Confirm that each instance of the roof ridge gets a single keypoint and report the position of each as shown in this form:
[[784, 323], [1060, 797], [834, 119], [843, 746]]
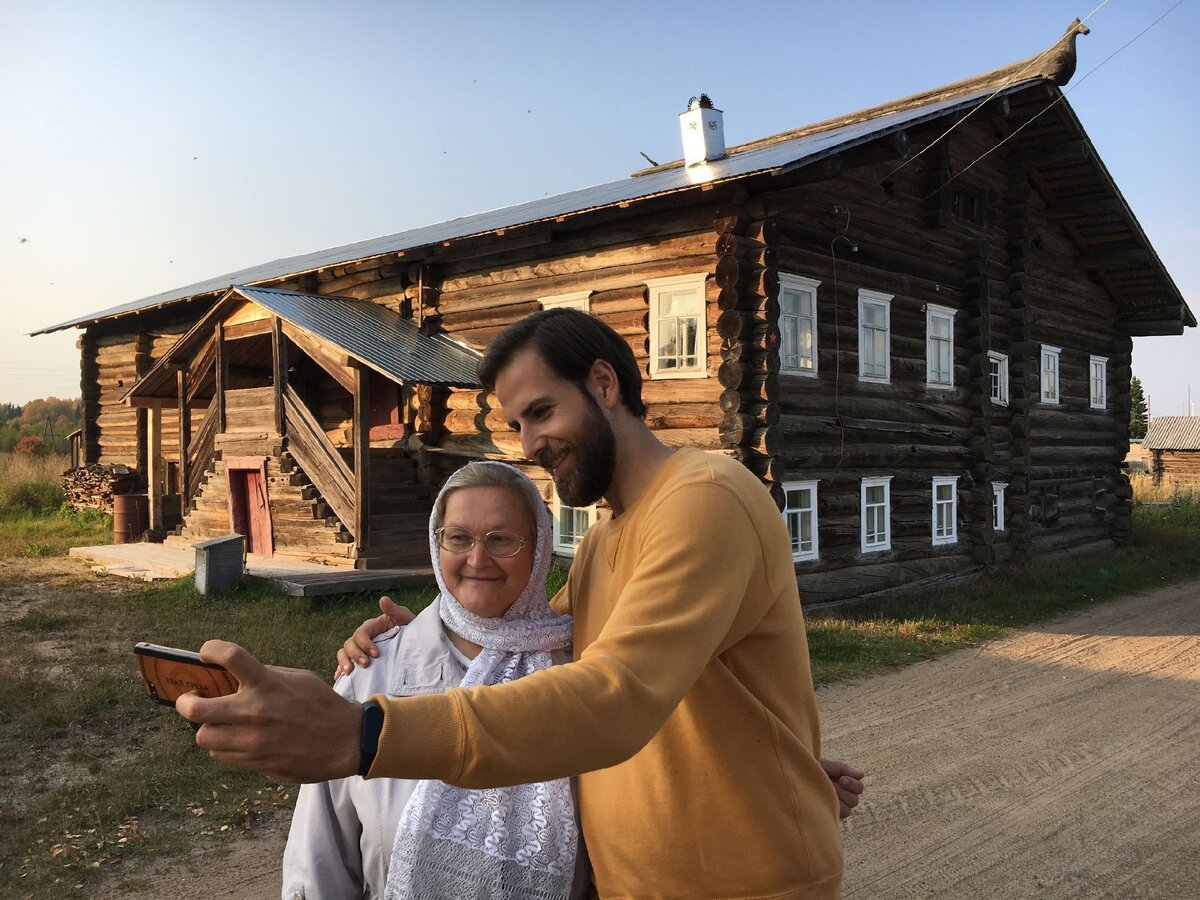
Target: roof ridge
[[1055, 64]]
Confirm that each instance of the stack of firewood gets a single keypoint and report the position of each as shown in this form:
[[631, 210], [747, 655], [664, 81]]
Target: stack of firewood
[[92, 487]]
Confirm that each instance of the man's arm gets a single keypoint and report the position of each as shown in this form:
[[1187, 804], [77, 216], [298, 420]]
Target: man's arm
[[572, 718], [360, 647]]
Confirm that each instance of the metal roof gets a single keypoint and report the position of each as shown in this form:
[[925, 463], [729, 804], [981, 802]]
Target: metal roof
[[373, 334], [758, 158], [1173, 433]]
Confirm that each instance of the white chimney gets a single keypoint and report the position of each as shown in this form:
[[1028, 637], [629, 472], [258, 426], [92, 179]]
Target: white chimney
[[703, 130]]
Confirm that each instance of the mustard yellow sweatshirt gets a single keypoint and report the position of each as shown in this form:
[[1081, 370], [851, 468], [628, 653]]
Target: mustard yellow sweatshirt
[[689, 707]]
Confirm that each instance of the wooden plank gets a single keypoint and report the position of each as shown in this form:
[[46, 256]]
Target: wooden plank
[[221, 375], [336, 365], [279, 361], [362, 457], [319, 458]]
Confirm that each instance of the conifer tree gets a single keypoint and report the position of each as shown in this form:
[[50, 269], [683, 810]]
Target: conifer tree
[[1138, 412]]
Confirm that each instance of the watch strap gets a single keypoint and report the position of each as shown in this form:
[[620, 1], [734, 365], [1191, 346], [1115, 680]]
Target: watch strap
[[372, 727]]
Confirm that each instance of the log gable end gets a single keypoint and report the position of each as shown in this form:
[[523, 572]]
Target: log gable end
[[959, 256]]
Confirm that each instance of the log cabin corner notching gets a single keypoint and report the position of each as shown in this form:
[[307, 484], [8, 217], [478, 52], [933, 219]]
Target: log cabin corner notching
[[921, 344]]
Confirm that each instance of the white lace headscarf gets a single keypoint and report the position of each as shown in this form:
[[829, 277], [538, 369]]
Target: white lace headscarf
[[512, 842]]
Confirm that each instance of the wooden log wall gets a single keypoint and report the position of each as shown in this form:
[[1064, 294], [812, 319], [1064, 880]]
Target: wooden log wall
[[116, 367], [746, 289], [474, 299], [1177, 468], [1080, 449]]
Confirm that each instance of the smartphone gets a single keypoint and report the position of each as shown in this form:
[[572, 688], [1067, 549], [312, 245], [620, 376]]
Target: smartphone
[[171, 673]]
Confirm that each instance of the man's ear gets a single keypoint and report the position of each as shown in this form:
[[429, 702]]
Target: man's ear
[[603, 384]]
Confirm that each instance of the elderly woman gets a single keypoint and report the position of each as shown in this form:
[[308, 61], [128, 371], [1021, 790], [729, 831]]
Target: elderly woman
[[489, 538]]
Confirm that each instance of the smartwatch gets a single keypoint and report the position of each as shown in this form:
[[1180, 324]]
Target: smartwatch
[[372, 725]]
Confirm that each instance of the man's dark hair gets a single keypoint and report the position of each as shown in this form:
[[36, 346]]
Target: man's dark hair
[[569, 341]]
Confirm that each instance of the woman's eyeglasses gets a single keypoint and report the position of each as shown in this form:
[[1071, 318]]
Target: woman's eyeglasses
[[500, 544]]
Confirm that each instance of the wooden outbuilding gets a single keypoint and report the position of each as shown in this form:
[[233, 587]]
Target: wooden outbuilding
[[1173, 443], [912, 322]]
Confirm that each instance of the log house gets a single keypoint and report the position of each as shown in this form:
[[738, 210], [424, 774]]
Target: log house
[[919, 341], [1173, 446]]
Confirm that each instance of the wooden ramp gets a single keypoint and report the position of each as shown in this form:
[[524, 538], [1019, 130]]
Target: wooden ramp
[[150, 562]]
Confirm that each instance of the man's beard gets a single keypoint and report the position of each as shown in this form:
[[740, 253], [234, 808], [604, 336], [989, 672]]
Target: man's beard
[[593, 460]]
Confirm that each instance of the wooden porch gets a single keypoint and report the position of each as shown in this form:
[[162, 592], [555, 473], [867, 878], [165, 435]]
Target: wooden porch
[[297, 578]]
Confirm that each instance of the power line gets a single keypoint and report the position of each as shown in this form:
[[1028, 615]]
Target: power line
[[1033, 61], [1062, 96]]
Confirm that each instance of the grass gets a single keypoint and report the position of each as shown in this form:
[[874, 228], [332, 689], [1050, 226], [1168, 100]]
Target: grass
[[31, 483], [34, 521], [105, 774]]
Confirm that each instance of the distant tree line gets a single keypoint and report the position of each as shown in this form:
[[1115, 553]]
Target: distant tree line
[[39, 426]]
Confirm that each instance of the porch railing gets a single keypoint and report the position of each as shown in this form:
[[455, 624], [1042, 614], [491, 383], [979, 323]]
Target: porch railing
[[322, 463], [200, 452]]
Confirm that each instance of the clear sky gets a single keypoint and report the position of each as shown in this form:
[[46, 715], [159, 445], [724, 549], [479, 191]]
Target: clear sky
[[149, 145]]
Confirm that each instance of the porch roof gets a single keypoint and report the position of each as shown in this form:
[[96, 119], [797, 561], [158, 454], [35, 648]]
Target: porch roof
[[374, 335]]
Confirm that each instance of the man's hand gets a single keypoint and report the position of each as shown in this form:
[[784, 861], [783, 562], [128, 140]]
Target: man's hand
[[360, 647], [847, 782], [285, 723]]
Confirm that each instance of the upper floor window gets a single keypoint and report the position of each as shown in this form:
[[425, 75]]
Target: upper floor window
[[939, 345], [998, 505], [800, 514], [798, 324], [678, 334], [875, 507], [580, 300], [874, 336], [1098, 381], [945, 509], [998, 377], [570, 525], [1050, 356]]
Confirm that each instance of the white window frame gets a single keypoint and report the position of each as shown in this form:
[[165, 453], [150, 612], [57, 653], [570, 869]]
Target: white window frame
[[1098, 400], [950, 536], [932, 312], [797, 284], [998, 488], [998, 392], [813, 552], [659, 286], [557, 508], [580, 300], [874, 298], [1050, 392], [884, 481]]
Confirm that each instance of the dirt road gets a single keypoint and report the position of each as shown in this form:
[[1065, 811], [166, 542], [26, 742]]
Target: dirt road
[[1063, 762]]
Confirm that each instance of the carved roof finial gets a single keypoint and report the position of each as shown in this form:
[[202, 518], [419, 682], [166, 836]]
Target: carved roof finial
[[1059, 64]]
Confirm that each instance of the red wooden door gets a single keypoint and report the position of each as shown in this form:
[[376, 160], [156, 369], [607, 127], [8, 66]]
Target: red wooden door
[[260, 514]]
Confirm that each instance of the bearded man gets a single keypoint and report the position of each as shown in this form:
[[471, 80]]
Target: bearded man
[[688, 711]]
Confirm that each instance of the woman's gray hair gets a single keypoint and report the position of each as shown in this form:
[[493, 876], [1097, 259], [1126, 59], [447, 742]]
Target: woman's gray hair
[[490, 474]]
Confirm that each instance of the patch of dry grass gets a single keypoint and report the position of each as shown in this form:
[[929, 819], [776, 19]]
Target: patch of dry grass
[[1146, 491]]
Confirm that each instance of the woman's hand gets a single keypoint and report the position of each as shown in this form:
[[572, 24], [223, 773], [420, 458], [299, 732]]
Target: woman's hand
[[360, 647], [847, 782]]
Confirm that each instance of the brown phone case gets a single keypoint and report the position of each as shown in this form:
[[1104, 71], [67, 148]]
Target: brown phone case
[[170, 673]]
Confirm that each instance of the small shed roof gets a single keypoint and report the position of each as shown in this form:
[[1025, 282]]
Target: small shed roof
[[1173, 433], [373, 334]]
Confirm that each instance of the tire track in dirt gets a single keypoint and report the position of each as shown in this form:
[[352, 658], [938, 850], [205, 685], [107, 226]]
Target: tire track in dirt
[[1059, 762]]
